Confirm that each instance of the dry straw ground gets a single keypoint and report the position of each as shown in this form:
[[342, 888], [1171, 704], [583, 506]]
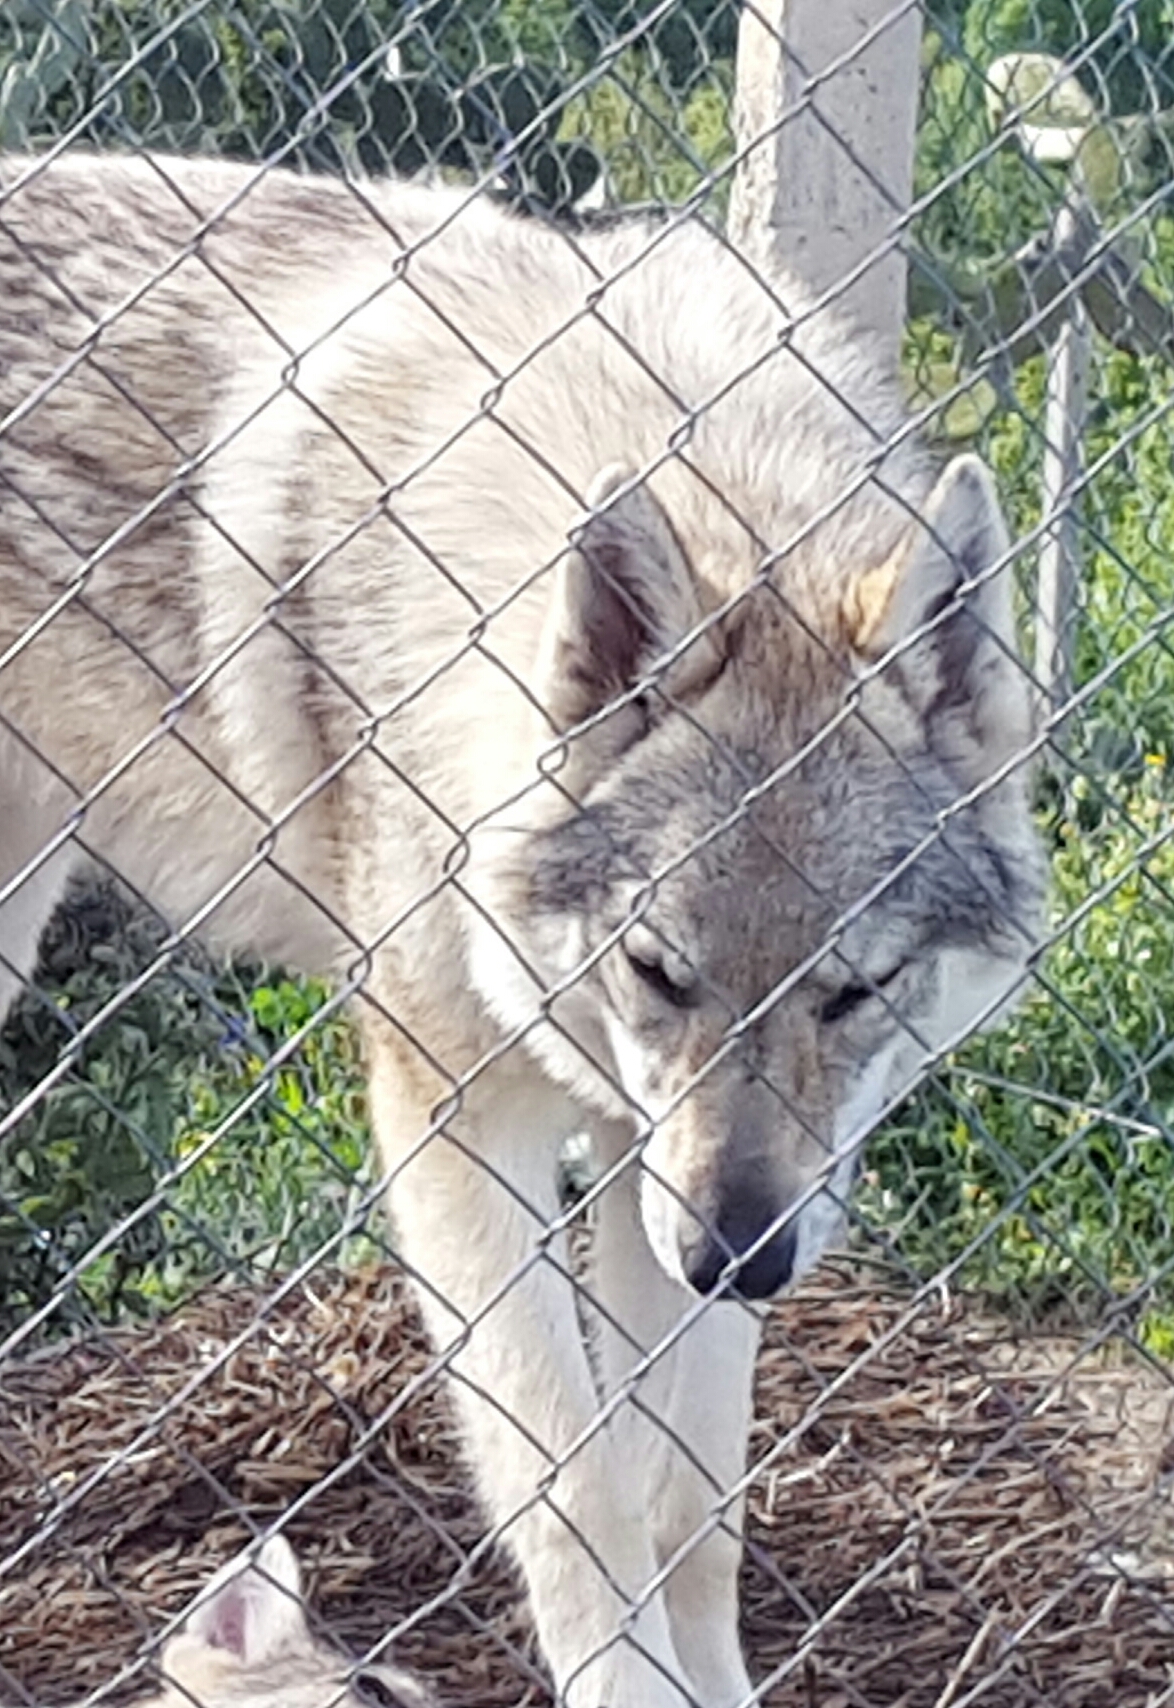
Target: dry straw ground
[[945, 1516]]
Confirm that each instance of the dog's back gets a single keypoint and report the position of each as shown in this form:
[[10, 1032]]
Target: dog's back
[[280, 454]]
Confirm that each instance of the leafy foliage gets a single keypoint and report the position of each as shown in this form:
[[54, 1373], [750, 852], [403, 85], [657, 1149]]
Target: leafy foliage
[[171, 1150], [384, 85]]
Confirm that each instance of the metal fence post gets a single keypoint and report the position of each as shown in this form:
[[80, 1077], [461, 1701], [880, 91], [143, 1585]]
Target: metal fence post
[[1059, 558], [826, 108]]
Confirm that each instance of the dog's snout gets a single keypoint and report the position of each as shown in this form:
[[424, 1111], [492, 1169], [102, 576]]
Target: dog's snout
[[743, 1234]]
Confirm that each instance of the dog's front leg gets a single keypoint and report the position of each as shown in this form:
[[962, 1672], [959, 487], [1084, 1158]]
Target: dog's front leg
[[687, 1424], [472, 1207]]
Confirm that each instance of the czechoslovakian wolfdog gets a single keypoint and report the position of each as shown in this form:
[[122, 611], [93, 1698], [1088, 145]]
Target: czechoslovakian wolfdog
[[565, 643], [246, 1643]]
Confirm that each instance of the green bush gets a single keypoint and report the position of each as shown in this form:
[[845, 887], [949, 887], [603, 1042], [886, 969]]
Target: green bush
[[475, 87], [122, 1143], [1047, 1147]]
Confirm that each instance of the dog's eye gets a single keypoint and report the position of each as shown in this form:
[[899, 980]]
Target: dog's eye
[[852, 996], [654, 974], [375, 1692]]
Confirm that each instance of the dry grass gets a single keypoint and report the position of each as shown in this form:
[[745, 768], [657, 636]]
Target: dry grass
[[940, 1516]]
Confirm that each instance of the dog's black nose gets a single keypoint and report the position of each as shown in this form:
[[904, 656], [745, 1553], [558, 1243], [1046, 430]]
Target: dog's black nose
[[723, 1244]]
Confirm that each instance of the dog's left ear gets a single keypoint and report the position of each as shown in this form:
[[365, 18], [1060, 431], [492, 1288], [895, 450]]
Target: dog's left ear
[[252, 1610], [963, 672], [623, 597]]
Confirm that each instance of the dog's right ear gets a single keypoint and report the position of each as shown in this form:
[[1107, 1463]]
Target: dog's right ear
[[623, 597], [252, 1611], [942, 603]]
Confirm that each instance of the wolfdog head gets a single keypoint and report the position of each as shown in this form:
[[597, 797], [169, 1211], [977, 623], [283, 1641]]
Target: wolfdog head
[[247, 1644], [783, 853]]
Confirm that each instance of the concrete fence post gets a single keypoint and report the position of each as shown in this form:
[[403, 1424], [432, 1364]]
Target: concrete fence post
[[826, 108]]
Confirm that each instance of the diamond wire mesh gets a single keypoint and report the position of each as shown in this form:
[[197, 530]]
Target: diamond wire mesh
[[171, 1123]]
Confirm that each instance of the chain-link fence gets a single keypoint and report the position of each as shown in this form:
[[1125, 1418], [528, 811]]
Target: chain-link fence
[[535, 759]]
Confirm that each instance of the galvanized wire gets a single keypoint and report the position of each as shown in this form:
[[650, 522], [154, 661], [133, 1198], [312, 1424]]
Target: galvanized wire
[[1035, 1167]]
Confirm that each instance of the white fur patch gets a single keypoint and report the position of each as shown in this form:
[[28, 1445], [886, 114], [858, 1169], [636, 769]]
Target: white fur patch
[[632, 1067], [821, 1220], [659, 1209], [661, 1214], [973, 983]]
